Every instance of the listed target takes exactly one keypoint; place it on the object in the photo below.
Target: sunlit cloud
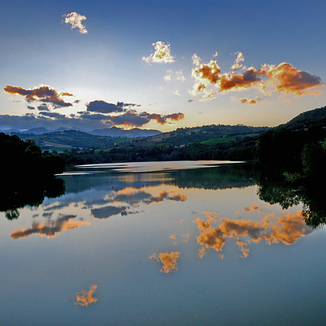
(169, 260)
(284, 79)
(50, 229)
(85, 298)
(168, 76)
(85, 120)
(177, 93)
(181, 221)
(161, 55)
(287, 79)
(44, 94)
(236, 64)
(195, 59)
(250, 101)
(75, 20)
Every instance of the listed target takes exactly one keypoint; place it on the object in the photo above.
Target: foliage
(24, 159)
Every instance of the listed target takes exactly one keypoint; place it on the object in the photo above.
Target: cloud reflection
(286, 228)
(169, 260)
(50, 229)
(85, 298)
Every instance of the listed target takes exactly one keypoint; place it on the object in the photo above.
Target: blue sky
(53, 75)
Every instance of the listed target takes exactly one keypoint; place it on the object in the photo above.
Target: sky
(159, 64)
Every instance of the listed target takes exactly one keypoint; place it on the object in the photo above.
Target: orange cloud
(169, 260)
(268, 79)
(50, 229)
(76, 21)
(44, 94)
(172, 236)
(161, 55)
(85, 298)
(250, 101)
(181, 220)
(287, 79)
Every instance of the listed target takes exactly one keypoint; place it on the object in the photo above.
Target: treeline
(24, 159)
(240, 149)
(294, 155)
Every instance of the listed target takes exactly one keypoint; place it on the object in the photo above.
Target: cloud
(169, 260)
(168, 76)
(43, 107)
(250, 101)
(124, 105)
(268, 79)
(195, 59)
(44, 94)
(85, 298)
(50, 229)
(287, 79)
(139, 119)
(177, 93)
(236, 64)
(161, 55)
(103, 107)
(76, 21)
(180, 75)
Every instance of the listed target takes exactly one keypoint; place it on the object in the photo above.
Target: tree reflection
(276, 191)
(20, 193)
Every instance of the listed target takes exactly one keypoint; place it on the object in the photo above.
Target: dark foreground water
(173, 243)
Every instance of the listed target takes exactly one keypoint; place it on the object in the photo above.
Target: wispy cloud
(162, 54)
(75, 20)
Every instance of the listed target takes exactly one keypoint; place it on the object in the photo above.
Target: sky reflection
(146, 240)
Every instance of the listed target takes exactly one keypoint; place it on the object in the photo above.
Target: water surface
(153, 244)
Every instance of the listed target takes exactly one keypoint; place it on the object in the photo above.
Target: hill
(307, 119)
(71, 138)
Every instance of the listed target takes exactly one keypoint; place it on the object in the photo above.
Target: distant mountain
(37, 131)
(305, 119)
(118, 132)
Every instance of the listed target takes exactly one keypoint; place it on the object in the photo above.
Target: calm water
(179, 243)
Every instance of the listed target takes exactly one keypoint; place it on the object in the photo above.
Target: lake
(160, 243)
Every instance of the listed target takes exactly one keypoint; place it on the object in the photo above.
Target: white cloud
(75, 20)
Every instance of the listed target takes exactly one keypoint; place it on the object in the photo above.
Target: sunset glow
(176, 64)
